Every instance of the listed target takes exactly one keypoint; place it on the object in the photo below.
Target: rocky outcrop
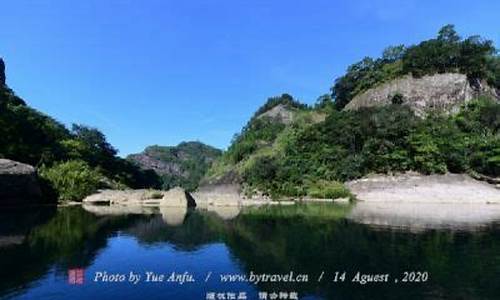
(121, 197)
(416, 188)
(18, 184)
(281, 113)
(176, 197)
(442, 92)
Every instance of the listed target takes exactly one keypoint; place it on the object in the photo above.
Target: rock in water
(177, 197)
(18, 184)
(173, 216)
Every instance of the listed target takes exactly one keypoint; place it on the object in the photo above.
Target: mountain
(182, 165)
(263, 140)
(433, 108)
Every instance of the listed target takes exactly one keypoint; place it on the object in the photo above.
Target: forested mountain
(182, 165)
(325, 145)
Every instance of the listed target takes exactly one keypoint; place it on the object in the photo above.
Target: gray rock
(280, 113)
(177, 197)
(173, 215)
(18, 184)
(130, 197)
(442, 92)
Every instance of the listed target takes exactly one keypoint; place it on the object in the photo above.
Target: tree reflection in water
(276, 240)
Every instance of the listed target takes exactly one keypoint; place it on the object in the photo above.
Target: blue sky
(160, 72)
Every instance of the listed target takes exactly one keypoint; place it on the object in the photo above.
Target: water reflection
(426, 216)
(276, 240)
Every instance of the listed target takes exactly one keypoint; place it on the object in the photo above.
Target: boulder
(129, 197)
(119, 209)
(18, 184)
(173, 215)
(177, 197)
(218, 195)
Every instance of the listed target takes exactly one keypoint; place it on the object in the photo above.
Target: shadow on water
(61, 239)
(274, 240)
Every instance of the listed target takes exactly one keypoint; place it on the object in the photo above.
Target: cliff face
(280, 113)
(442, 92)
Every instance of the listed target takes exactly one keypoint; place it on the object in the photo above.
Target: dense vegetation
(324, 146)
(261, 130)
(73, 180)
(309, 158)
(29, 136)
(183, 165)
(448, 52)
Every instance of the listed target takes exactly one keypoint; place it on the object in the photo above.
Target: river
(282, 252)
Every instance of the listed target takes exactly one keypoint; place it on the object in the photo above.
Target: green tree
(448, 34)
(72, 180)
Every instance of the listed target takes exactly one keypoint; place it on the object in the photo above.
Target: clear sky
(160, 72)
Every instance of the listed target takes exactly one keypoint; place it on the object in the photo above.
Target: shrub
(262, 172)
(328, 190)
(427, 157)
(485, 155)
(397, 99)
(72, 180)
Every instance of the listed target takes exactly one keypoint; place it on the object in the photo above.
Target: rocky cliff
(442, 92)
(281, 113)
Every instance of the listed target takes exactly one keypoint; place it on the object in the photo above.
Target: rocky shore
(176, 197)
(18, 184)
(416, 188)
(404, 188)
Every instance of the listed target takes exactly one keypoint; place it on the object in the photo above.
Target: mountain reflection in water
(38, 247)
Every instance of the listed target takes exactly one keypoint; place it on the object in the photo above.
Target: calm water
(43, 251)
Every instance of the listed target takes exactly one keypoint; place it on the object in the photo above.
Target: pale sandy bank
(416, 188)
